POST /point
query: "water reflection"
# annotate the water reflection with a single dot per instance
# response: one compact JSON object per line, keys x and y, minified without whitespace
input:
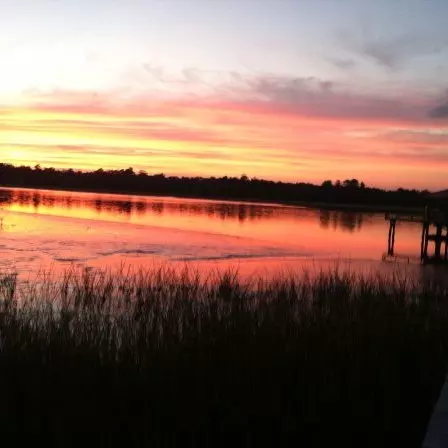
{"x":129,"y":205}
{"x":117,"y":205}
{"x":56,"y":225}
{"x":345,"y":220}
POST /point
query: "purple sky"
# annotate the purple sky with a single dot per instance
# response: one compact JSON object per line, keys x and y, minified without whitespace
{"x":358,"y":60}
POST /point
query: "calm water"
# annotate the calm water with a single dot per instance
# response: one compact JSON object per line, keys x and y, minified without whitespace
{"x":40,"y":228}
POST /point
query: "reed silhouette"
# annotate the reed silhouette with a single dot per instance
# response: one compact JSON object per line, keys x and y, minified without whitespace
{"x":168,"y":357}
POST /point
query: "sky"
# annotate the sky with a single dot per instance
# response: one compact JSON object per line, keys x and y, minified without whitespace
{"x":291,"y":90}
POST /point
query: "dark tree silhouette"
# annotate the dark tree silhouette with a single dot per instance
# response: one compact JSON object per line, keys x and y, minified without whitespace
{"x":351,"y":183}
{"x":351,"y":191}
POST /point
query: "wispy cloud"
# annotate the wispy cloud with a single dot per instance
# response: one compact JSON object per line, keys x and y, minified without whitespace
{"x":279,"y":127}
{"x":324,"y":98}
{"x":343,"y":63}
{"x":392,"y":52}
{"x":439,"y":111}
{"x":258,"y":92}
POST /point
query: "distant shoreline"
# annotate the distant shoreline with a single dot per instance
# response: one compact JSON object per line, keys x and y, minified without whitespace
{"x":304,"y":204}
{"x":348,"y":194}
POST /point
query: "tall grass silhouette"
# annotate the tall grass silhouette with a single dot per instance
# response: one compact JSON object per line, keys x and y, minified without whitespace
{"x":170,"y":357}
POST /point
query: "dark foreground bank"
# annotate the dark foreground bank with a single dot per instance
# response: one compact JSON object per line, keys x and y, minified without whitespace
{"x":165,"y":357}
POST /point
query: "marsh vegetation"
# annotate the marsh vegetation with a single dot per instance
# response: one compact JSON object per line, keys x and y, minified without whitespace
{"x":170,"y":357}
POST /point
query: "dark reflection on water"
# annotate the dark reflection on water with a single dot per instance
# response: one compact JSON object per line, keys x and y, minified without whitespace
{"x":345,"y":220}
{"x":57,"y":225}
{"x":140,"y":206}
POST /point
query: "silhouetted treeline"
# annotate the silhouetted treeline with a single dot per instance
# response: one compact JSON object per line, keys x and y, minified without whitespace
{"x":350,"y":191}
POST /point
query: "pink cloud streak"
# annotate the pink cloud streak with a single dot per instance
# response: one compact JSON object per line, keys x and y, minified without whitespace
{"x":273,"y":120}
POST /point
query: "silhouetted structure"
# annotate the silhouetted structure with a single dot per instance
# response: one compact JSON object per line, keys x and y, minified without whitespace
{"x":430,"y":218}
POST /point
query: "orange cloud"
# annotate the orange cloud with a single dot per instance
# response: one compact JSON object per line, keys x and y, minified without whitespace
{"x":273,"y":137}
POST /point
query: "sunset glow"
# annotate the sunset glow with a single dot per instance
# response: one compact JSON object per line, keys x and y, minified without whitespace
{"x":80,"y":105}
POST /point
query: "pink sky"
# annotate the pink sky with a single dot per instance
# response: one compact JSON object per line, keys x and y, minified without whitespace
{"x":293,"y":90}
{"x":274,"y":128}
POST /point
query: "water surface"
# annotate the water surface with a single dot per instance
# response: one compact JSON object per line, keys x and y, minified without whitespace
{"x":39,"y":228}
